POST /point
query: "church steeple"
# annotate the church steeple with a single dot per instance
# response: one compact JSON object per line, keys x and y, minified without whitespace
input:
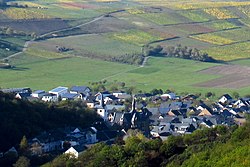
{"x":133,"y":105}
{"x":102,"y":101}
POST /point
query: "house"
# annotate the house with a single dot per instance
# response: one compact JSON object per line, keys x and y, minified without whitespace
{"x":123,"y":97}
{"x":226,"y":98}
{"x":71,"y":96}
{"x":204,"y":110}
{"x":16,"y":90}
{"x":168,"y":96}
{"x":46,"y":142}
{"x":38,"y":93}
{"x":80,"y":89}
{"x":90,"y":101}
{"x":25,"y":95}
{"x":49,"y":97}
{"x":12,"y":151}
{"x":84,"y":91}
{"x":162,"y":131}
{"x":74,"y":151}
{"x":59,"y":91}
{"x":119,"y":93}
{"x":110,"y":99}
{"x":80,"y":137}
{"x":174,"y":113}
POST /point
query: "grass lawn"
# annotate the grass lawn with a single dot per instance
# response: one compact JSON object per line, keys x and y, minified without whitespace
{"x":170,"y":73}
{"x":41,"y":73}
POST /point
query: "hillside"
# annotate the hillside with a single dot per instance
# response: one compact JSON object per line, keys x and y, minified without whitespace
{"x":108,"y":39}
{"x":218,"y":146}
{"x":22,"y":118}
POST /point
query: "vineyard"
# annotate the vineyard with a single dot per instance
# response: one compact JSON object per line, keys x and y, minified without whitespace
{"x":139,"y":38}
{"x":23,"y":13}
{"x":230,"y":52}
{"x":219,"y":13}
{"x":214,"y":39}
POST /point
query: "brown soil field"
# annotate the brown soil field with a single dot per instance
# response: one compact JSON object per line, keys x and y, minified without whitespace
{"x":194,"y":28}
{"x":233,"y":76}
{"x":30,"y":26}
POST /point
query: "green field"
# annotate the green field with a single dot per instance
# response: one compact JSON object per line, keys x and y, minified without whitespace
{"x":165,"y":73}
{"x":163,"y":18}
{"x":196,"y":15}
{"x":99,"y":45}
{"x":42,"y":73}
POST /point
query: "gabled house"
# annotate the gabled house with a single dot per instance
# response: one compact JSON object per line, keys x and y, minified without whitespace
{"x":171,"y":96}
{"x":12,"y":151}
{"x":49,"y":97}
{"x":174,"y":113}
{"x":23,"y":96}
{"x":119,"y":93}
{"x":38,"y":93}
{"x":226,"y":98}
{"x":183,"y":128}
{"x":204,"y":110}
{"x":46,"y":142}
{"x":80,"y":89}
{"x":162,"y":131}
{"x":75,"y":151}
{"x":71,"y":96}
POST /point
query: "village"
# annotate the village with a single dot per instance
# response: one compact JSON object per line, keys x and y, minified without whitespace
{"x":169,"y":115}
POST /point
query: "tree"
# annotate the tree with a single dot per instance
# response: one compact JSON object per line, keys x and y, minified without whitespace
{"x":236,"y":95}
{"x":9,"y":31}
{"x":23,"y":144}
{"x":22,"y":162}
{"x":208,"y":94}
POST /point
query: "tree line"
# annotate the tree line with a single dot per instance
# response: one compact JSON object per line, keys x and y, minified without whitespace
{"x":178,"y":51}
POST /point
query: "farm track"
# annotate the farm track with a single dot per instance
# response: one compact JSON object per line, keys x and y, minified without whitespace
{"x":27,"y":43}
{"x":141,"y":66}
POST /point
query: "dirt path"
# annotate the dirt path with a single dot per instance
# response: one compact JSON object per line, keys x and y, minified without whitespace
{"x":141,"y":66}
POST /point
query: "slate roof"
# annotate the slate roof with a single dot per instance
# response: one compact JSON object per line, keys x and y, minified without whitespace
{"x":69,"y":95}
{"x":58,"y":89}
{"x":80,"y":89}
{"x":38,"y":92}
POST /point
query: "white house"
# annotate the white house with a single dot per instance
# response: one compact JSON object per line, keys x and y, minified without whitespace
{"x":59,"y":91}
{"x":49,"y":97}
{"x":38,"y":93}
{"x":169,"y":95}
{"x":225,"y":98}
{"x":72,"y":152}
